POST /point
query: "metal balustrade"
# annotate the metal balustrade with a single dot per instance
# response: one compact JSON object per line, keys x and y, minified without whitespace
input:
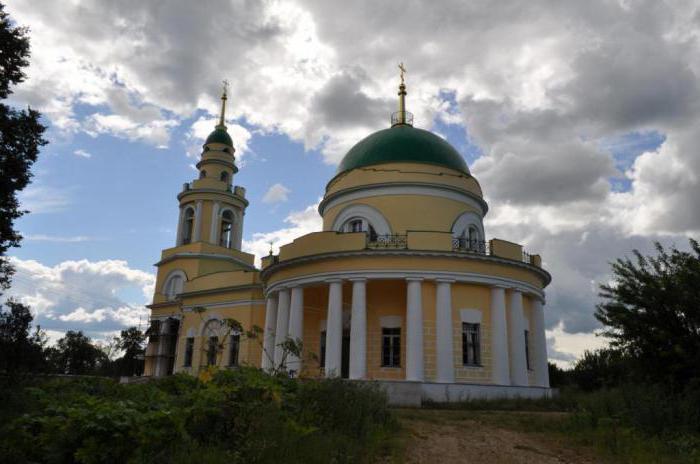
{"x":470,"y":246}
{"x":396,"y":241}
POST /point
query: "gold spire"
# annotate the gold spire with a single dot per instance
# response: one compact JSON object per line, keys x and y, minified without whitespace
{"x":222,"y":118}
{"x":401,"y":115}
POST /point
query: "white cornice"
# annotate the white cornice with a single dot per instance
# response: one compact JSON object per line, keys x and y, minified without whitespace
{"x":403,"y":188}
{"x":374,"y":274}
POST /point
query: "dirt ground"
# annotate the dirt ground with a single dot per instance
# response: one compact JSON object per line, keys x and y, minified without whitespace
{"x":443,"y":438}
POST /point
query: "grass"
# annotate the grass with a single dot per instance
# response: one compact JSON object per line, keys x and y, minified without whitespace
{"x":592,"y":422}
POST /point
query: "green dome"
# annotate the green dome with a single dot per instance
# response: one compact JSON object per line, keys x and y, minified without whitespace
{"x":403,"y":143}
{"x":219,"y":136}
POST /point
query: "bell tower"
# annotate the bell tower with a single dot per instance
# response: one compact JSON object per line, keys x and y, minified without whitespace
{"x":211,"y":209}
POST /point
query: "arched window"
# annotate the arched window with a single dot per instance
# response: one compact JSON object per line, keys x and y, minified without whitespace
{"x":224,"y":176}
{"x":202,"y":174}
{"x":188,"y":226}
{"x":357,"y":224}
{"x":226,"y":231}
{"x":173,"y":286}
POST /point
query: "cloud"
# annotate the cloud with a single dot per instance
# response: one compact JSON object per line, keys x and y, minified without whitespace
{"x":300,"y":223}
{"x":82,"y":153}
{"x":56,"y":238}
{"x":40,"y":199}
{"x":83,"y":295}
{"x":277,"y":193}
{"x":540,"y":90}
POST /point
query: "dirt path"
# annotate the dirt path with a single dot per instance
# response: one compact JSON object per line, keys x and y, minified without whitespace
{"x":438,"y":437}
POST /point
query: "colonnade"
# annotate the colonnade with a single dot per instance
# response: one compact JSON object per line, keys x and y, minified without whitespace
{"x":284,"y":319}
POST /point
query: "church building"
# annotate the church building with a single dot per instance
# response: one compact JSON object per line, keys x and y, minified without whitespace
{"x":401,"y":286}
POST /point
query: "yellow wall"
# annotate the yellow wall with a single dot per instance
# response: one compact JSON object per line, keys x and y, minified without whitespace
{"x":467,"y":296}
{"x":408,"y":212}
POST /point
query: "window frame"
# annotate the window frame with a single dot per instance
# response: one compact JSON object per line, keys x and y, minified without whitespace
{"x":212,"y":350}
{"x":189,"y":352}
{"x":234,"y":349}
{"x":391,"y":347}
{"x":226,"y":235}
{"x":470,"y":331}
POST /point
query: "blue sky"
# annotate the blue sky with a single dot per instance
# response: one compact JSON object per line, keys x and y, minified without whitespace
{"x":583,"y":152}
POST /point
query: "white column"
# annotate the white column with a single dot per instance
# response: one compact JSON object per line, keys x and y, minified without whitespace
{"x":161,"y":359}
{"x":197,"y":222}
{"x":516,"y":335}
{"x":214,"y":229}
{"x":296,"y":325}
{"x":444,"y":333}
{"x":282,"y":326}
{"x":414,"y":329}
{"x":540,"y":341}
{"x":238,"y":229}
{"x":499,"y":337}
{"x":334,"y":328}
{"x":358,"y":330}
{"x":269,"y":334}
{"x":180,"y":220}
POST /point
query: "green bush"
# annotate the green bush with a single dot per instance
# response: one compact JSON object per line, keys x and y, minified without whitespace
{"x":240,"y":416}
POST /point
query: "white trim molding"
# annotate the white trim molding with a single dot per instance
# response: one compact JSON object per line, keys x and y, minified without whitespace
{"x":360,"y":211}
{"x":466,"y":219}
{"x":225,"y":304}
{"x":374,"y":274}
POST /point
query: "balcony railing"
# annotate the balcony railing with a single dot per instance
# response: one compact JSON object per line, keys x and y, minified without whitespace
{"x":470,"y":246}
{"x":527,"y":258}
{"x":396,"y":241}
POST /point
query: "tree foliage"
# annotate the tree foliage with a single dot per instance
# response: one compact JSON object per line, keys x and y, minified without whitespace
{"x":75,"y":354}
{"x":651,"y":312}
{"x":20,"y":137}
{"x":21,"y":350}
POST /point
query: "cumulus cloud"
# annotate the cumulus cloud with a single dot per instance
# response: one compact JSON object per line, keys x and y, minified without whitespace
{"x":83,"y":295}
{"x":82,"y":153}
{"x":277,"y":193}
{"x":542,"y":89}
{"x":300,"y":223}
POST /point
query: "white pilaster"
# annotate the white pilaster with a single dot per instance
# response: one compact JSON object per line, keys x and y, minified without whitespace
{"x":499,"y":337}
{"x":444,"y":333}
{"x":296,"y":325}
{"x":197,"y":222}
{"x":358,"y":330}
{"x":414,"y":329}
{"x":516,"y":336}
{"x":180,"y":221}
{"x":269,"y":334}
{"x":282,"y":326}
{"x":334,"y":328}
{"x":238,"y":229}
{"x":214,"y":229}
{"x":540,"y":341}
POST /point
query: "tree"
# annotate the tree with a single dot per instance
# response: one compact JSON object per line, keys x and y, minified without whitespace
{"x":20,"y":138}
{"x":75,"y":354}
{"x":21,"y":350}
{"x":131,"y":342}
{"x":651,"y":311}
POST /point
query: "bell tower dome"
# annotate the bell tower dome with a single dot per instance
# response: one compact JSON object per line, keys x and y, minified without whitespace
{"x":211,"y":209}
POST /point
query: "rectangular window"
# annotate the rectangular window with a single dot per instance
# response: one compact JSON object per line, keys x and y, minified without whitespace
{"x":323,"y":349}
{"x":471,"y":348}
{"x":189,"y":350}
{"x":211,"y":350}
{"x":391,"y":347}
{"x":234,"y":345}
{"x":527,"y":349}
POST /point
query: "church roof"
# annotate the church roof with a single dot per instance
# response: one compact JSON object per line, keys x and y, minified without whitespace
{"x":219,"y":135}
{"x":403,"y":143}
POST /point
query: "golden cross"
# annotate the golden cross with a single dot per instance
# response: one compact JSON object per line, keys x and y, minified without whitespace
{"x":225,"y":87}
{"x":403,"y":71}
